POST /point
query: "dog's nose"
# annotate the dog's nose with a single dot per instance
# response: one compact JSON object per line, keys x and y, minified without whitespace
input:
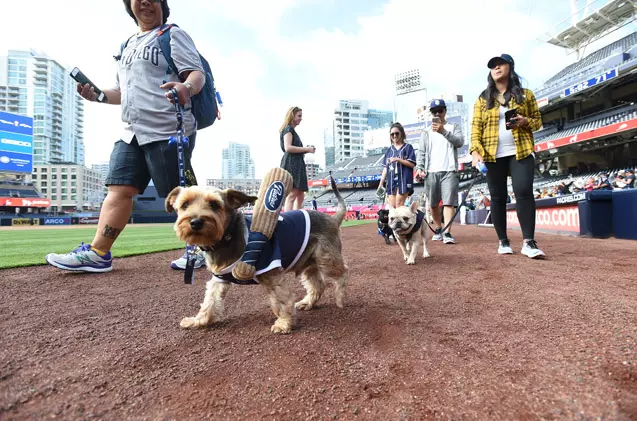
{"x":196,"y":224}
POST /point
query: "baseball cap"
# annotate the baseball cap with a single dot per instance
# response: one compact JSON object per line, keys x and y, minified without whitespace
{"x":504,"y":57}
{"x":437,"y":103}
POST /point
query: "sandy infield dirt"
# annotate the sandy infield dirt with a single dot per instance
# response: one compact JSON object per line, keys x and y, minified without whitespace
{"x":464,"y":335}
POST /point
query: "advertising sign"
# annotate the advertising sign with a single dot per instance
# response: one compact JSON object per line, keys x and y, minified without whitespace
{"x":57,"y":221}
{"x":552,"y":219}
{"x":24,"y":221}
{"x":25,"y":203}
{"x":16,"y":143}
{"x":89,"y":220}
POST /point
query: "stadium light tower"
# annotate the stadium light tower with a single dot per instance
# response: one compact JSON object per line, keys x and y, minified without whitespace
{"x":607,"y":17}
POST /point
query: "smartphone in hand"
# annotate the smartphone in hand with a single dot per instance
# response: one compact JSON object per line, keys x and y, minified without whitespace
{"x":83,"y":80}
{"x":435,"y":120}
{"x":508,"y":115}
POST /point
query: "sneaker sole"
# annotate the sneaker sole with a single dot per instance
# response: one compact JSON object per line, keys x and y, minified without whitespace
{"x":502,"y":253}
{"x":79,"y":268}
{"x":536,"y":257}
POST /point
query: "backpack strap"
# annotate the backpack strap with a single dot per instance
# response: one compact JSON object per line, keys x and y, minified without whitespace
{"x":163,"y":38}
{"x":121,"y":49}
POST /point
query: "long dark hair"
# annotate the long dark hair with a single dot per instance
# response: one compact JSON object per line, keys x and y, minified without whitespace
{"x":165,"y":10}
{"x":514,"y":89}
{"x":401,"y":129}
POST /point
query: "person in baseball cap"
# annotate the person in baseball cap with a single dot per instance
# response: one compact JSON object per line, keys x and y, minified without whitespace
{"x":501,"y":59}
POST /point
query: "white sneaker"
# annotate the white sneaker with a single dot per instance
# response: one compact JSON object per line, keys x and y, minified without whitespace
{"x":447,"y":238}
{"x":180,"y":264}
{"x":82,"y":259}
{"x":505,"y":247}
{"x":530,"y":250}
{"x":437,"y":235}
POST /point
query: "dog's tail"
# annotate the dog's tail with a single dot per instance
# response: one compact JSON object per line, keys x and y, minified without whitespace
{"x":341,"y":210}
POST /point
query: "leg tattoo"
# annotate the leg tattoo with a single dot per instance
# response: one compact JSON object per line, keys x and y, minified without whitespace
{"x":110,"y":232}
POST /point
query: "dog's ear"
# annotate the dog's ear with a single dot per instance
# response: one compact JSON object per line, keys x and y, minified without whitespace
{"x":235,"y":199}
{"x":414,"y":206}
{"x":170,"y":199}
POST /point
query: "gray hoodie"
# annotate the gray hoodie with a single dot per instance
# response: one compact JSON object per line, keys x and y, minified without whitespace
{"x":455,"y":138}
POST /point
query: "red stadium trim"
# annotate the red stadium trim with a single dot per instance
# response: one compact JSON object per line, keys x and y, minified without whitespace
{"x":592,"y":134}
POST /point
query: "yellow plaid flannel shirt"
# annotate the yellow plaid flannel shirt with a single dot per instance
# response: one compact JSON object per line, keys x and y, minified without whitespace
{"x":485,"y":127}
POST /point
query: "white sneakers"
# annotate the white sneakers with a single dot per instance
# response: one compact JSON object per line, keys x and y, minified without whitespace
{"x":529,"y":249}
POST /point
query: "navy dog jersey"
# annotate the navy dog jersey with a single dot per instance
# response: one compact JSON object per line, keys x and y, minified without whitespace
{"x":284,"y":249}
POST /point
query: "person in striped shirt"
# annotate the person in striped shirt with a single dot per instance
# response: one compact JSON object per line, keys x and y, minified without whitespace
{"x":399,"y":162}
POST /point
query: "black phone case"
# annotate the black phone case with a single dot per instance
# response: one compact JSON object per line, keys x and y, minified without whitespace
{"x":81,"y":78}
{"x":508,"y":115}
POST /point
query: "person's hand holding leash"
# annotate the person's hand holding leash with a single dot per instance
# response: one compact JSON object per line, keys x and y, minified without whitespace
{"x":476,"y":158}
{"x":421,"y":175}
{"x":182,"y":92}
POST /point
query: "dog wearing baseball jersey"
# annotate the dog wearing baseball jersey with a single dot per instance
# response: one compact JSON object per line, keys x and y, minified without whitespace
{"x":409,"y":226}
{"x":306,"y":243}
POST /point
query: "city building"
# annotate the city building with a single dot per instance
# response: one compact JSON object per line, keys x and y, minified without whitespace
{"x":351,"y":119}
{"x":37,"y":86}
{"x":69,"y":186}
{"x":312,"y":170}
{"x":248,"y":186}
{"x":236,"y":162}
{"x":102,"y":168}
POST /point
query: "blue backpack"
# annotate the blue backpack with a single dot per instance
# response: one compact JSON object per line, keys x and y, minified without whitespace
{"x":204,"y":104}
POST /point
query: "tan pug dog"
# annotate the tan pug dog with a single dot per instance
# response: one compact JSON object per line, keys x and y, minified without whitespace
{"x":409,"y":227}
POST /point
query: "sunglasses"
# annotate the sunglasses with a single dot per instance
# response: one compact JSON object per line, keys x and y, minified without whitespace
{"x":437,"y":111}
{"x":395,"y":134}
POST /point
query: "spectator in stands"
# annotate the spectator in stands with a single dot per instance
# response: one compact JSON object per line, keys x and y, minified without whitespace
{"x":625,"y":180}
{"x":314,"y":204}
{"x":143,"y":152}
{"x":603,"y":183}
{"x":438,"y":165}
{"x":590,"y":184}
{"x":399,"y":161}
{"x":292,"y":160}
{"x":506,"y":147}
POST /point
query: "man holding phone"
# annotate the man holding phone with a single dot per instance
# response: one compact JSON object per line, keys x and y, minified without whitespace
{"x":437,"y":163}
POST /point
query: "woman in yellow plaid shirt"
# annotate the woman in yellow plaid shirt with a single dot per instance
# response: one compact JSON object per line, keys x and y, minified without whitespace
{"x":506,"y":147}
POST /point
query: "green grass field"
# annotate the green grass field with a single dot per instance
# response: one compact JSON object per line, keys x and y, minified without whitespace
{"x":22,"y":247}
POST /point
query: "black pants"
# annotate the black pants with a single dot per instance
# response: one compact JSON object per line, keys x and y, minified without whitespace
{"x":522,"y":173}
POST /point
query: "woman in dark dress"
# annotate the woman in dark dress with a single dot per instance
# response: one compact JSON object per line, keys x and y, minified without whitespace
{"x":292,"y":160}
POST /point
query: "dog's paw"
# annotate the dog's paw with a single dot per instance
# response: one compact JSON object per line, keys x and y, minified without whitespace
{"x":303,"y":305}
{"x":281,"y":327}
{"x":192,"y":323}
{"x":426,"y":254}
{"x":411,"y":261}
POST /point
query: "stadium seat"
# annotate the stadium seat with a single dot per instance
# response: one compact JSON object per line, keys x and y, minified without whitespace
{"x":625,"y":214}
{"x":596,"y":214}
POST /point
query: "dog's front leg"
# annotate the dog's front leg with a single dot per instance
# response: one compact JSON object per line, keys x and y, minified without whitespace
{"x":211,"y":308}
{"x":423,"y":234}
{"x":413,"y":250}
{"x":403,"y":247}
{"x":281,"y":301}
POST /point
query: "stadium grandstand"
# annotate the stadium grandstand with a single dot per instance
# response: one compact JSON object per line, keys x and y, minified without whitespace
{"x":589,"y":132}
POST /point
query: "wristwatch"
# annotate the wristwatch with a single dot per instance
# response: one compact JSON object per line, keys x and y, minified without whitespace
{"x":191,"y":89}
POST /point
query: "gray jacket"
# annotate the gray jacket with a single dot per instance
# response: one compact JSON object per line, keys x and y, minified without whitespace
{"x":455,"y":138}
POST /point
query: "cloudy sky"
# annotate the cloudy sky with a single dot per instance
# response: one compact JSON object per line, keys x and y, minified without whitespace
{"x":269,"y":55}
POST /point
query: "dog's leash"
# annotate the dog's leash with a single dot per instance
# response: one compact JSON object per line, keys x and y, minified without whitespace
{"x":181,"y":140}
{"x":464,"y":201}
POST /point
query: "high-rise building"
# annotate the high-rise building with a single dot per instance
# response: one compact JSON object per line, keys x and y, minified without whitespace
{"x":236,"y":162}
{"x":377,"y":119}
{"x":69,"y":186}
{"x":351,"y":119}
{"x":328,"y":143}
{"x":35,"y":85}
{"x":312,"y":170}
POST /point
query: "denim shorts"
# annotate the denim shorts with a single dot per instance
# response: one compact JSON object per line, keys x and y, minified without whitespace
{"x":134,"y":165}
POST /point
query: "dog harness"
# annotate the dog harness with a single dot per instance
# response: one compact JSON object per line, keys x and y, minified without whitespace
{"x":420,"y":216}
{"x":283,"y":250}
